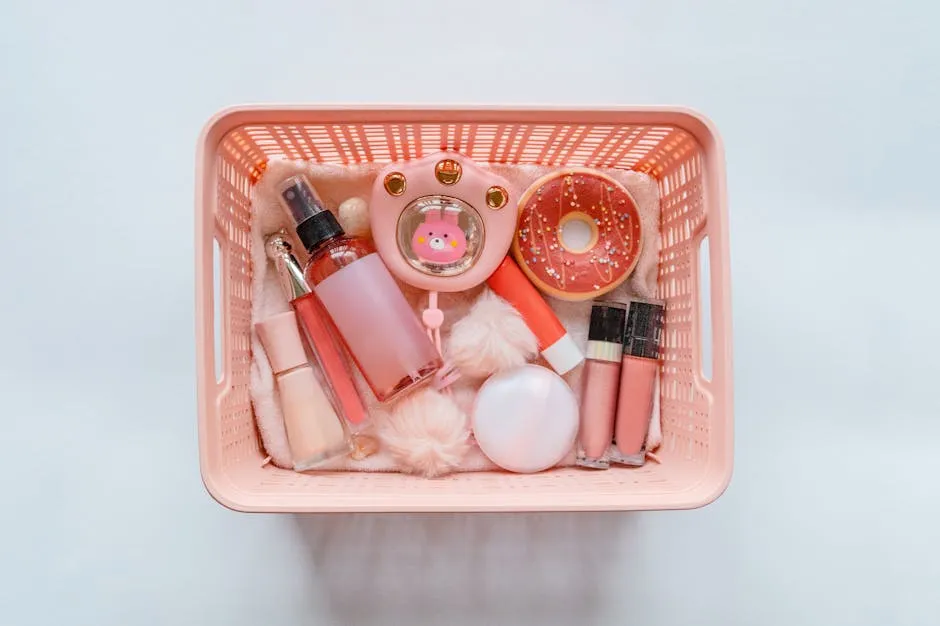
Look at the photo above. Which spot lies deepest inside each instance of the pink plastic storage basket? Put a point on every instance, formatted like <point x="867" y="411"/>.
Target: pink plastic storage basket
<point x="680" y="148"/>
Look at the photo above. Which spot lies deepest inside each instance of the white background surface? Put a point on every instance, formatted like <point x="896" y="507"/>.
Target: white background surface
<point x="829" y="113"/>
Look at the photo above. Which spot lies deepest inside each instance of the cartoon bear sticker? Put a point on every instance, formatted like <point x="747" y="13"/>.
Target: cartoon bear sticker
<point x="439" y="239"/>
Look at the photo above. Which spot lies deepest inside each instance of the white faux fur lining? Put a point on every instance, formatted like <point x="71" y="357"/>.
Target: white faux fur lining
<point x="336" y="184"/>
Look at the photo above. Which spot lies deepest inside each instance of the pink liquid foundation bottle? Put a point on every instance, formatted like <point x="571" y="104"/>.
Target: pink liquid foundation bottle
<point x="315" y="432"/>
<point x="641" y="360"/>
<point x="601" y="383"/>
<point x="382" y="332"/>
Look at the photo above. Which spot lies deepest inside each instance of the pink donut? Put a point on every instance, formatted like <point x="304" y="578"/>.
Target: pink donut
<point x="579" y="234"/>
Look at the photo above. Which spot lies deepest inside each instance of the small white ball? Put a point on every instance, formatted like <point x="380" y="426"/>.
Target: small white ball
<point x="354" y="217"/>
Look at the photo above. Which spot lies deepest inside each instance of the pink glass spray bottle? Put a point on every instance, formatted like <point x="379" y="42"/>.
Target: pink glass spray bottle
<point x="382" y="332"/>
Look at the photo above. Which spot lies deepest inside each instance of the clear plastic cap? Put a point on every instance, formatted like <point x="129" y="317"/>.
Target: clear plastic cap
<point x="300" y="199"/>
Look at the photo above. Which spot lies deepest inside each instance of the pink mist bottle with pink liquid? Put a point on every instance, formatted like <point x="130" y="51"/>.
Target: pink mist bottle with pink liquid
<point x="382" y="332"/>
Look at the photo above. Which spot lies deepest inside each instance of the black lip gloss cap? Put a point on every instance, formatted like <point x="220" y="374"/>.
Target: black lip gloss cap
<point x="608" y="320"/>
<point x="644" y="328"/>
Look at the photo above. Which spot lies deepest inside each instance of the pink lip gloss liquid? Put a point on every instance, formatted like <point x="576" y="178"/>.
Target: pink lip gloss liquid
<point x="382" y="332"/>
<point x="601" y="382"/>
<point x="641" y="358"/>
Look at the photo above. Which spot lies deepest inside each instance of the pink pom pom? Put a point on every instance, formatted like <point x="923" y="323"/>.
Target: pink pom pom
<point x="427" y="433"/>
<point x="491" y="338"/>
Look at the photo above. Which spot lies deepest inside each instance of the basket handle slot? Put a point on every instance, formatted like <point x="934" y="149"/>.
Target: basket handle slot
<point x="219" y="328"/>
<point x="704" y="293"/>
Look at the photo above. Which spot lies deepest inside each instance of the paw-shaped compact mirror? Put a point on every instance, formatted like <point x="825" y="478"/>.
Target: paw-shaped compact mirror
<point x="440" y="236"/>
<point x="442" y="223"/>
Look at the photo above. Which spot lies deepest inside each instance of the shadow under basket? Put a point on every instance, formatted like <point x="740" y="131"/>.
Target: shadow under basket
<point x="679" y="148"/>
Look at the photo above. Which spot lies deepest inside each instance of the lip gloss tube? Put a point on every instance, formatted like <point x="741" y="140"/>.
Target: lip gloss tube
<point x="555" y="344"/>
<point x="641" y="359"/>
<point x="318" y="327"/>
<point x="601" y="383"/>
<point x="315" y="432"/>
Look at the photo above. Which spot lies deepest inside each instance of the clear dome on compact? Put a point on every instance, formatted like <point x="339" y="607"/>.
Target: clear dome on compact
<point x="440" y="235"/>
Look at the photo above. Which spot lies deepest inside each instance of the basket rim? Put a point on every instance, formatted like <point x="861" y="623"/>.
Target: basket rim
<point x="231" y="117"/>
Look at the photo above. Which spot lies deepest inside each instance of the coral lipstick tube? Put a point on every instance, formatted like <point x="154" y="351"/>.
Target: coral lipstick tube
<point x="641" y="359"/>
<point x="555" y="344"/>
<point x="601" y="383"/>
<point x="321" y="335"/>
